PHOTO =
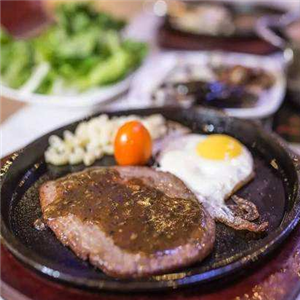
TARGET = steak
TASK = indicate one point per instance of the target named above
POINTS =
(128, 221)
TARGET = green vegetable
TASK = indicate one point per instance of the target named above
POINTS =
(17, 61)
(83, 48)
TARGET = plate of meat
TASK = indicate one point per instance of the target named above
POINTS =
(205, 25)
(194, 196)
(245, 86)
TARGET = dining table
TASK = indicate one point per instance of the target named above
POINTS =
(276, 278)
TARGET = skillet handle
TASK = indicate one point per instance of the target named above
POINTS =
(265, 29)
(266, 25)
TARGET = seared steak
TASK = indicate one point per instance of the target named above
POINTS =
(128, 221)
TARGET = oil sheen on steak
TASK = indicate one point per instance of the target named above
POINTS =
(128, 221)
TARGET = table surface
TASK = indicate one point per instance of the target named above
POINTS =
(276, 279)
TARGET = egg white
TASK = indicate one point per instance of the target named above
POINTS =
(212, 181)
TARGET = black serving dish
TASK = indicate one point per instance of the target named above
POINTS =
(238, 12)
(244, 40)
(275, 191)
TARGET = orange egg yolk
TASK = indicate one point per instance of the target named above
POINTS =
(219, 147)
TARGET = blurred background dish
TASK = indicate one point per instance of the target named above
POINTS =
(80, 58)
(244, 85)
(203, 25)
(89, 98)
(217, 18)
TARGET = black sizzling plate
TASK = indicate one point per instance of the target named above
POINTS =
(240, 10)
(275, 190)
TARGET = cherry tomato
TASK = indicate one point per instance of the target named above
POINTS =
(133, 144)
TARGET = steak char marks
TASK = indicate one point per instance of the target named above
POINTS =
(128, 221)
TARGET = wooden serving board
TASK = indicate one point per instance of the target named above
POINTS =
(278, 278)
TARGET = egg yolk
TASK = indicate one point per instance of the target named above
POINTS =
(219, 147)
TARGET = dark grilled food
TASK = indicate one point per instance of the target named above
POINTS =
(211, 94)
(128, 221)
(252, 79)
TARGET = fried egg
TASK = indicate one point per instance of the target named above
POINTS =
(212, 166)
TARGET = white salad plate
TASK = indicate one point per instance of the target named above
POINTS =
(88, 98)
(140, 28)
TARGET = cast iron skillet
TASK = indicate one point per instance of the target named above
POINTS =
(246, 41)
(275, 191)
(235, 9)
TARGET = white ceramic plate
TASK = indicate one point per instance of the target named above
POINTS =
(86, 99)
(141, 28)
(157, 68)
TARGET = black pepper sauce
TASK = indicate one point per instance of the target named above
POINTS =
(138, 218)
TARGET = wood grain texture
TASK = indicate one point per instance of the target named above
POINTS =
(8, 107)
(278, 278)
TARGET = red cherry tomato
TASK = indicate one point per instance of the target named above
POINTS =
(133, 144)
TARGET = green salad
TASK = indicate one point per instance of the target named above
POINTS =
(82, 49)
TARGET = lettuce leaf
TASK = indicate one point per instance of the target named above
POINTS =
(84, 48)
